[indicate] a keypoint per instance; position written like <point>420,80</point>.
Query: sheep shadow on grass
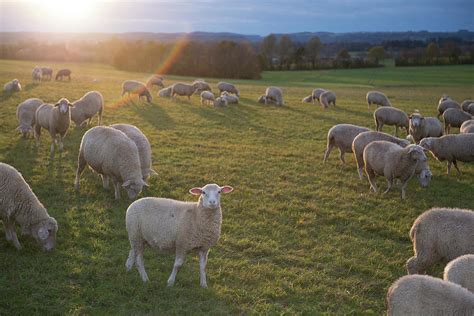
<point>156,116</point>
<point>31,86</point>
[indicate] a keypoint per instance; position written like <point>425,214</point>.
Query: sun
<point>66,10</point>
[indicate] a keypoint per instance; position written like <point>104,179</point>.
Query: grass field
<point>297,237</point>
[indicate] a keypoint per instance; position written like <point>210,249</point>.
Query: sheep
<point>461,271</point>
<point>220,101</point>
<point>113,155</point>
<point>307,99</point>
<point>327,98</point>
<point>56,119</point>
<point>200,86</point>
<point>229,87</point>
<point>86,107</point>
<point>426,295</point>
<point>18,204</point>
<point>230,99</point>
<point>155,80</point>
<point>37,74</point>
<point>316,94</point>
<point>182,89</point>
<point>451,148</point>
<point>342,136</point>
<point>454,118</point>
<point>377,98</point>
<point>274,94</point>
<point>176,226</point>
<point>445,104</point>
<point>208,97</point>
<point>465,105</point>
<point>421,127</point>
<point>440,234</point>
<point>470,109</point>
<point>47,72</point>
<point>262,99</point>
<point>63,73</point>
<point>390,116</point>
<point>12,86</point>
<point>165,92</point>
<point>143,146</point>
<point>392,161</point>
<point>136,87</point>
<point>467,127</point>
<point>25,113</point>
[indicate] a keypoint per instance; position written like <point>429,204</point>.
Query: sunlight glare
<point>66,9</point>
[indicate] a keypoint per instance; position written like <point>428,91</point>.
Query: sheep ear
<point>196,191</point>
<point>410,117</point>
<point>227,189</point>
<point>126,183</point>
<point>153,172</point>
<point>57,104</point>
<point>145,184</point>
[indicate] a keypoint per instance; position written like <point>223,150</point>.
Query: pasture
<point>298,236</point>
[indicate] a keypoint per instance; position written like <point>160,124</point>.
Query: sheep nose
<point>212,202</point>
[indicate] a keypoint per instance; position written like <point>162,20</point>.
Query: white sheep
<point>390,116</point>
<point>447,103</point>
<point>136,87</point>
<point>229,87</point>
<point>55,119</point>
<point>426,295</point>
<point>85,108</point>
<point>391,161</point>
<point>378,98</point>
<point>12,86</point>
<point>451,148</point>
<point>307,99</point>
<point>18,204</point>
<point>421,127</point>
<point>25,113</point>
<point>342,136</point>
<point>47,73</point>
<point>461,271</point>
<point>37,74</point>
<point>263,100</point>
<point>454,118</point>
<point>176,226</point>
<point>220,102</point>
<point>114,156</point>
<point>155,80</point>
<point>327,98</point>
<point>207,97</point>
<point>440,234</point>
<point>465,105</point>
<point>182,89</point>
<point>274,94</point>
<point>470,109</point>
<point>165,92</point>
<point>230,99</point>
<point>467,127</point>
<point>143,146</point>
<point>200,86</point>
<point>316,94</point>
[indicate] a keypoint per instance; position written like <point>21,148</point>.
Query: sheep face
<point>416,153</point>
<point>63,106</point>
<point>416,120</point>
<point>45,233</point>
<point>425,178</point>
<point>426,143</point>
<point>210,195</point>
<point>134,187</point>
<point>24,129</point>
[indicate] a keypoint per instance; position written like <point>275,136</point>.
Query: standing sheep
<point>316,94</point>
<point>451,148</point>
<point>36,74</point>
<point>182,89</point>
<point>230,99</point>
<point>165,92</point>
<point>461,271</point>
<point>47,73</point>
<point>424,295</point>
<point>421,127</point>
<point>274,94</point>
<point>170,225</point>
<point>155,80</point>
<point>220,102</point>
<point>63,73</point>
<point>454,118</point>
<point>393,162</point>
<point>12,86</point>
<point>200,86</point>
<point>447,103</point>
<point>378,98</point>
<point>56,119</point>
<point>342,136</point>
<point>470,109</point>
<point>18,204</point>
<point>25,113</point>
<point>467,127</point>
<point>208,97</point>
<point>136,87</point>
<point>440,234</point>
<point>86,107</point>
<point>465,105</point>
<point>327,98</point>
<point>113,155</point>
<point>390,116</point>
<point>229,87</point>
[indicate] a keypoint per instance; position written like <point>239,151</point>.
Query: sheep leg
<point>10,234</point>
<point>330,146</point>
<point>81,164</point>
<point>178,262</point>
<point>404,185</point>
<point>341,156</point>
<point>389,185</point>
<point>37,134</point>
<point>141,265</point>
<point>105,181</point>
<point>448,170</point>
<point>131,260</point>
<point>117,189</point>
<point>456,166</point>
<point>60,143</point>
<point>202,266</point>
<point>360,170</point>
<point>53,141</point>
<point>396,131</point>
<point>371,177</point>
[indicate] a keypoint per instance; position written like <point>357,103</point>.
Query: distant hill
<point>326,37</point>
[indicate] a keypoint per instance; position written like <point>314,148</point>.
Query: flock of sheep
<point>121,153</point>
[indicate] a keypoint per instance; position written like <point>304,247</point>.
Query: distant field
<point>297,237</point>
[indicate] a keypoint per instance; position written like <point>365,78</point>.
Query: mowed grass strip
<point>298,236</point>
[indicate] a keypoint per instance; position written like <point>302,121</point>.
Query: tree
<point>313,48</point>
<point>432,51</point>
<point>452,51</point>
<point>376,53</point>
<point>285,47</point>
<point>343,54</point>
<point>268,47</point>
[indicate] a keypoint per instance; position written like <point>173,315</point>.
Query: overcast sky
<point>247,16</point>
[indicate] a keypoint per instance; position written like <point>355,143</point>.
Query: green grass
<point>297,237</point>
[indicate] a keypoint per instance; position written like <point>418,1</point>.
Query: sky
<point>237,16</point>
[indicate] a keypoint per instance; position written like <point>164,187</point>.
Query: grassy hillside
<point>297,237</point>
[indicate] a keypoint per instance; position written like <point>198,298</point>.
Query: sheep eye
<point>203,193</point>
<point>219,192</point>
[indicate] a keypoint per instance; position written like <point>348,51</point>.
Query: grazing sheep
<point>136,87</point>
<point>342,136</point>
<point>461,271</point>
<point>378,98</point>
<point>229,87</point>
<point>37,74</point>
<point>25,113</point>
<point>262,99</point>
<point>454,118</point>
<point>12,86</point>
<point>63,73</point>
<point>467,127</point>
<point>425,295</point>
<point>440,234</point>
<point>143,146</point>
<point>113,155</point>
<point>176,226</point>
<point>365,138</point>
<point>465,105</point>
<point>470,109</point>
<point>56,119</point>
<point>327,98</point>
<point>86,107</point>
<point>316,94</point>
<point>391,161</point>
<point>421,127</point>
<point>448,103</point>
<point>451,148</point>
<point>182,89</point>
<point>208,97</point>
<point>165,92</point>
<point>220,102</point>
<point>390,116</point>
<point>47,73</point>
<point>18,204</point>
<point>230,99</point>
<point>274,94</point>
<point>307,99</point>
<point>155,80</point>
<point>200,86</point>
